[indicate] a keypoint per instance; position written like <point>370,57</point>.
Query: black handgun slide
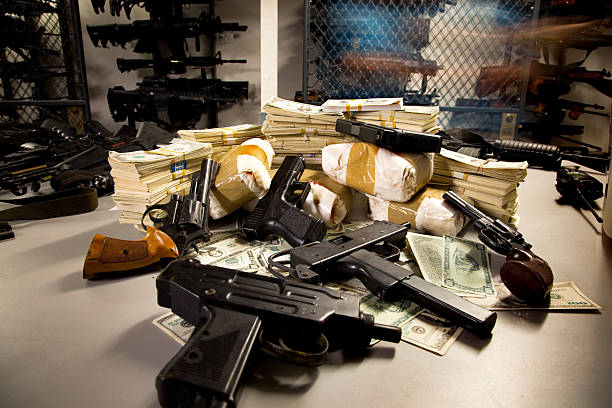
<point>278,212</point>
<point>396,140</point>
<point>229,308</point>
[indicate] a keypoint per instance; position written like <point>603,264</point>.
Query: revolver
<point>235,313</point>
<point>526,275</point>
<point>184,223</point>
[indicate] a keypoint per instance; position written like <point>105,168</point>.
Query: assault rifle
<point>235,313</point>
<point>54,152</point>
<point>152,33</point>
<point>367,255</point>
<point>184,99</point>
<point>127,5</point>
<point>542,77</point>
<point>546,156</point>
<point>172,65</point>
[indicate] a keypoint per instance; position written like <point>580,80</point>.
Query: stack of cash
<point>491,184</point>
<point>144,178</point>
<point>222,139</point>
<point>299,128</point>
<point>413,118</point>
<point>363,105</point>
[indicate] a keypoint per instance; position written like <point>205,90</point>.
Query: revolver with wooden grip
<point>183,223</point>
<point>526,275</point>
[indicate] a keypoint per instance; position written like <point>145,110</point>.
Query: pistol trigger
<point>304,274</point>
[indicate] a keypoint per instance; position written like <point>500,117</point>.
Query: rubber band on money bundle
<point>376,171</point>
<point>244,174</point>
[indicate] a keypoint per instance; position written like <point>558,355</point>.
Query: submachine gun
<point>367,254</point>
<point>526,275</point>
<point>235,313</point>
<point>184,99</point>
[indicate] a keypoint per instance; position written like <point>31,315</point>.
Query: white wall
<point>102,72</point>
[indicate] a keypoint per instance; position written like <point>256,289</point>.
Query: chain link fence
<point>429,51</point>
<point>42,71</point>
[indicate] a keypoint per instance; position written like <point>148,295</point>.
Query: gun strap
<point>66,202</point>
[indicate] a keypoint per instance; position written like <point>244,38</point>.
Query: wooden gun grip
<point>109,255</point>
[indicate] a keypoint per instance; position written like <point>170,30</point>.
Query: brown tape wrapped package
<point>376,171</point>
<point>244,175</point>
<point>328,200</point>
<point>426,212</point>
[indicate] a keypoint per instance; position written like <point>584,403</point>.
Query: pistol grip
<point>527,276</point>
<point>294,225</point>
<point>210,364</point>
<point>109,255</point>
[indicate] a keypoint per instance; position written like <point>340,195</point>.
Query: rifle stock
<point>107,256</point>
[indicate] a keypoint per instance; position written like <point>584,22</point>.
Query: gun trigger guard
<point>304,274</point>
<point>153,218</point>
<point>283,351</point>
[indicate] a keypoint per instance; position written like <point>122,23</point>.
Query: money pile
<point>412,118</point>
<point>462,267</point>
<point>144,178</point>
<point>222,139</point>
<point>363,105</point>
<point>299,128</point>
<point>491,184</point>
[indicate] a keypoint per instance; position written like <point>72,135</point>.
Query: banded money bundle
<point>413,118</point>
<point>144,178</point>
<point>491,184</point>
<point>299,128</point>
<point>222,139</point>
<point>363,105</point>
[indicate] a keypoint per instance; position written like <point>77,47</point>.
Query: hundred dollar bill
<point>466,267</point>
<point>175,327</point>
<point>563,296</point>
<point>235,252</point>
<point>391,313</point>
<point>431,332</point>
<point>427,250</point>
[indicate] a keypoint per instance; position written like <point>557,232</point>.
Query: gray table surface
<point>65,341</point>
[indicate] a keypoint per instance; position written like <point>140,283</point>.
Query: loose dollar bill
<point>390,313</point>
<point>427,249</point>
<point>431,332</point>
<point>563,296</point>
<point>175,327</point>
<point>466,267</point>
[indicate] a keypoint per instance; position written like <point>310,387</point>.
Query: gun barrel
<point>466,208</point>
